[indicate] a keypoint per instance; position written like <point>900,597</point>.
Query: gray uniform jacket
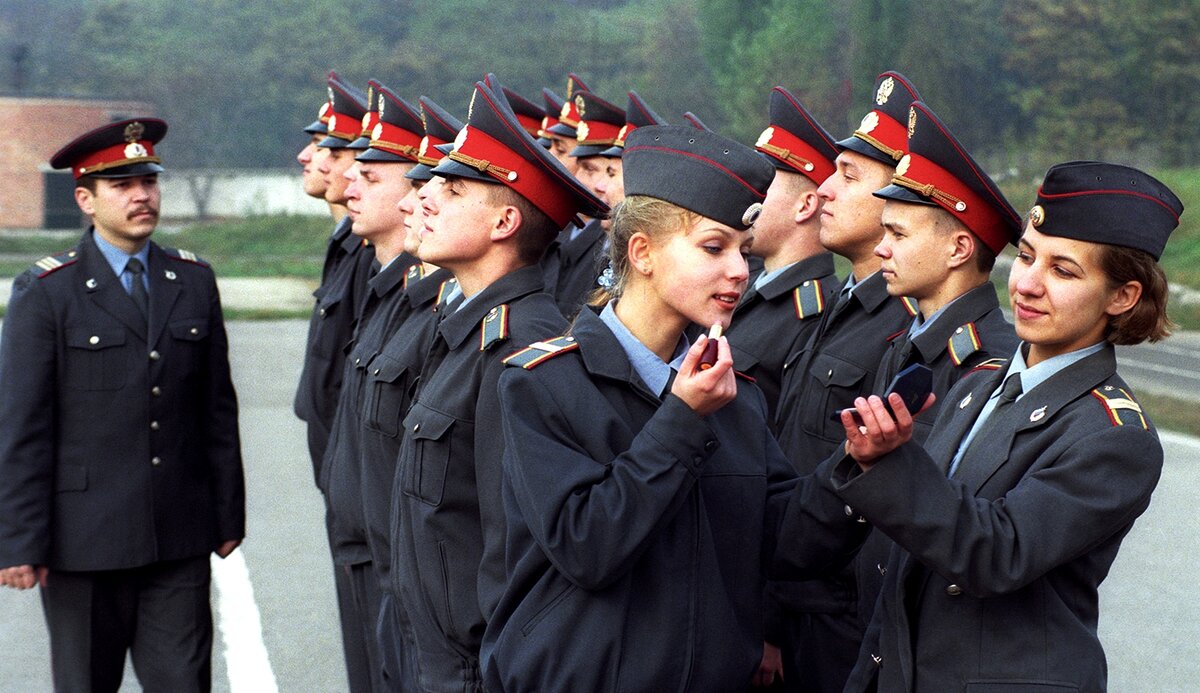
<point>572,266</point>
<point>993,584</point>
<point>118,441</point>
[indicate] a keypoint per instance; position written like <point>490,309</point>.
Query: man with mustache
<point>120,462</point>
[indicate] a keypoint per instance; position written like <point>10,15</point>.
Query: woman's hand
<point>706,391</point>
<point>879,433</point>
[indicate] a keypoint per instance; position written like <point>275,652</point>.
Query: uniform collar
<point>969,307</point>
<point>654,372</point>
<point>784,280</point>
<point>1032,376</point>
<point>870,292</point>
<point>117,258</point>
<point>387,278</point>
<point>455,328</point>
<point>425,289</point>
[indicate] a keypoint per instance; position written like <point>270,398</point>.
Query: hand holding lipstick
<point>706,387</point>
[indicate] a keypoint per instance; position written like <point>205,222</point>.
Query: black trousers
<point>159,614</point>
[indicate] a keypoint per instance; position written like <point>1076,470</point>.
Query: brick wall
<point>35,128</point>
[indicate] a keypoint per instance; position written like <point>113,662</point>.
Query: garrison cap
<point>363,141</point>
<point>396,135</point>
<point>882,133</point>
<point>637,115</point>
<point>568,113</point>
<point>599,124</point>
<point>494,148</point>
<point>117,150</point>
<point>698,170</point>
<point>694,120</point>
<point>1106,203</point>
<point>554,104</point>
<point>345,118</point>
<point>440,130</point>
<point>937,170</point>
<point>795,141</point>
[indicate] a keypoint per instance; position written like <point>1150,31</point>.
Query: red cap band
<point>343,127</point>
<point>396,140</point>
<point>595,132</point>
<point>475,148</point>
<point>122,154</point>
<point>926,178</point>
<point>881,131</point>
<point>795,152</point>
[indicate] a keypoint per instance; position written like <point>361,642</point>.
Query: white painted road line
<point>246,657</point>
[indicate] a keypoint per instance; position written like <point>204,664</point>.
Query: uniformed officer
<point>562,134</point>
<point>644,493</point>
<point>838,363</point>
<point>389,377</point>
<point>497,200</point>
<point>311,156</point>
<point>785,302</point>
<point>610,186</point>
<point>944,224</point>
<point>576,259</point>
<point>120,463</point>
<point>1035,469</point>
<point>344,277</point>
<point>377,185</point>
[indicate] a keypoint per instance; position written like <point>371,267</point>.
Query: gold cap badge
<point>902,167</point>
<point>885,91</point>
<point>1037,216</point>
<point>869,122</point>
<point>579,104</point>
<point>134,131</point>
<point>912,121</point>
<point>765,137</point>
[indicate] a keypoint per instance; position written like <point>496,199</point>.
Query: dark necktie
<point>1009,393</point>
<point>137,292</point>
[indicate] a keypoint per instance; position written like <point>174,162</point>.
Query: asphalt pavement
<point>1149,612</point>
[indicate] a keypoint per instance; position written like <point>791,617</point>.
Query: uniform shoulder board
<point>494,327</point>
<point>963,343</point>
<point>910,305</point>
<point>445,290</point>
<point>990,365</point>
<point>185,255</point>
<point>538,352</point>
<point>53,263</point>
<point>413,274</point>
<point>808,299</point>
<point>1120,406</point>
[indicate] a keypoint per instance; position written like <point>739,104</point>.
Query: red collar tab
<point>927,179</point>
<point>777,142</point>
<point>475,148</point>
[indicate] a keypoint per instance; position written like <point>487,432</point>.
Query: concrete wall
<point>236,193</point>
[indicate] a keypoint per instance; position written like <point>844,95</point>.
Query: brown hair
<point>537,229</point>
<point>1146,321</point>
<point>87,183</point>
<point>636,214</point>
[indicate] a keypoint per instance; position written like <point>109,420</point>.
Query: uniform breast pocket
<point>835,385</point>
<point>96,359</point>
<point>427,459</point>
<point>329,308</point>
<point>386,395</point>
<point>190,339</point>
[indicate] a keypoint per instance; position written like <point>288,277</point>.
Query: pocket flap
<point>834,372</point>
<point>427,424</point>
<point>93,339</point>
<point>189,330</point>
<point>386,369</point>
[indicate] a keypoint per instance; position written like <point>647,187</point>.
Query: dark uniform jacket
<point>342,467</point>
<point>118,443</point>
<point>339,299</point>
<point>448,519</point>
<point>572,266</point>
<point>638,531</point>
<point>971,331</point>
<point>768,321</point>
<point>386,395</point>
<point>993,586</point>
<point>839,363</point>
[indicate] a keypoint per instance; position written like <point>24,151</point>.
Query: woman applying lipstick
<point>644,492</point>
<point>1035,469</point>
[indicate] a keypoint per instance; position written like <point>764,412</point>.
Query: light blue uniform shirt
<point>117,259</point>
<point>653,371</point>
<point>921,324</point>
<point>766,277</point>
<point>1031,377</point>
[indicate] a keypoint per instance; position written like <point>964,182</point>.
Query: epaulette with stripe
<point>808,299</point>
<point>53,263</point>
<point>185,255</point>
<point>1120,406</point>
<point>445,290</point>
<point>963,343</point>
<point>494,327</point>
<point>910,305</point>
<point>413,274</point>
<point>990,365</point>
<point>538,352</point>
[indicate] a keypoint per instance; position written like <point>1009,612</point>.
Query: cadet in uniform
<point>311,156</point>
<point>1035,469</point>
<point>562,134</point>
<point>120,463</point>
<point>644,493</point>
<point>785,302</point>
<point>838,363</point>
<point>378,184</point>
<point>610,185</point>
<point>343,286</point>
<point>498,199</point>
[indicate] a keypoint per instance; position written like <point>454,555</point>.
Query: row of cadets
<point>387,150</point>
<point>344,275</point>
<point>497,201</point>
